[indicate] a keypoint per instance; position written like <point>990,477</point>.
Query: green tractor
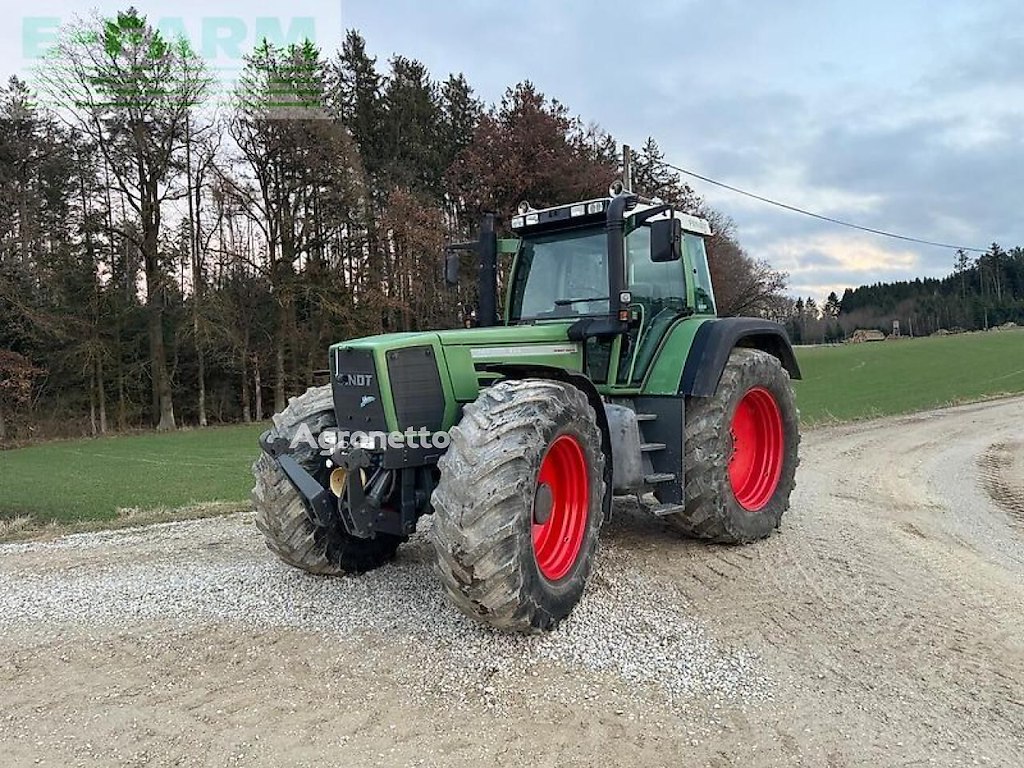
<point>608,374</point>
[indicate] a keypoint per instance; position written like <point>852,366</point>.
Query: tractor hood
<point>404,363</point>
<point>483,339</point>
<point>467,352</point>
<point>505,333</point>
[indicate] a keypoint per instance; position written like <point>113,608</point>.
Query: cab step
<point>659,477</point>
<point>649,447</point>
<point>661,510</point>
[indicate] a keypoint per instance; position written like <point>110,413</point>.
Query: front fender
<point>581,382</point>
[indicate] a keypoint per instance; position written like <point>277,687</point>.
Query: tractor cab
<point>622,270</point>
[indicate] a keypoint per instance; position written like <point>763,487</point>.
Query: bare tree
<point>743,285</point>
<point>131,91</point>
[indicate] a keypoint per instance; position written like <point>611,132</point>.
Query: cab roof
<point>591,212</point>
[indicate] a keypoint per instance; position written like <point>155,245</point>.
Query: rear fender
<point>715,340</point>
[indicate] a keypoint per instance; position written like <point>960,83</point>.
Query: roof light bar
<point>560,213</point>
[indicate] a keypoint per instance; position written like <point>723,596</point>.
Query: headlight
<point>366,442</point>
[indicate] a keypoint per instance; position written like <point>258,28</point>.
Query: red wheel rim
<point>758,447</point>
<point>560,508</point>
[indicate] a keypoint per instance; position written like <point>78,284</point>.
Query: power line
<point>822,217</point>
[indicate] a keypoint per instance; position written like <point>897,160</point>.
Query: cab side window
<point>703,292</point>
<point>656,286</point>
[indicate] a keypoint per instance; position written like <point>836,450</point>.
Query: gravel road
<point>882,626</point>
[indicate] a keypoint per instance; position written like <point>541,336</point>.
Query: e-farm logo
<point>221,39</point>
<point>223,43</point>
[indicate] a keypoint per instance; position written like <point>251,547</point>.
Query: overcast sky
<point>904,116</point>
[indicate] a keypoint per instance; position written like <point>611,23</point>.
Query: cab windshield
<point>562,274</point>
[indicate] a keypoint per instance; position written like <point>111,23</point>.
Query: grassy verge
<point>34,528</point>
<point>132,479</point>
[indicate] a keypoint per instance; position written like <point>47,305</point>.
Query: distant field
<point>857,381</point>
<point>91,480</point>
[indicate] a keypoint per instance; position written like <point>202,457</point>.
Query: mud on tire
<point>712,510</point>
<point>484,503</point>
<point>281,514</point>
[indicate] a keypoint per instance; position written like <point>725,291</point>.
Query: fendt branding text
<point>355,379</point>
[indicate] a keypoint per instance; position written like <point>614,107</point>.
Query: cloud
<point>818,264</point>
<point>853,254</point>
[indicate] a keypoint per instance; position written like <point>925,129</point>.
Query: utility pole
<point>627,167</point>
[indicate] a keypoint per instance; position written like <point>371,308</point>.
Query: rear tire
<point>525,451</point>
<point>738,489</point>
<point>281,514</point>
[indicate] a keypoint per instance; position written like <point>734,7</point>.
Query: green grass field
<point>858,381</point>
<point>91,480</point>
<point>72,480</point>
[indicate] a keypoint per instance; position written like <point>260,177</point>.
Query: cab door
<point>659,297</point>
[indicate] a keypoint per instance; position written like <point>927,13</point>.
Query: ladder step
<point>667,509</point>
<point>659,477</point>
<point>647,417</point>
<point>648,447</point>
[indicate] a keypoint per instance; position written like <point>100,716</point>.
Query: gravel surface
<point>627,624</point>
<point>881,626</point>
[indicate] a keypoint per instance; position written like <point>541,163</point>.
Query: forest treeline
<point>164,263</point>
<point>982,292</point>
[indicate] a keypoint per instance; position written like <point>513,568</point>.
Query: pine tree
<point>359,100</point>
<point>528,148</point>
<point>652,178</point>
<point>832,305</point>
<point>411,130</point>
<point>460,115</point>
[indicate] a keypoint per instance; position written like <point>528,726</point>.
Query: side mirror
<point>666,239</point>
<point>451,267</point>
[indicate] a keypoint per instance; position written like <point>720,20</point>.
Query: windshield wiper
<point>569,302</point>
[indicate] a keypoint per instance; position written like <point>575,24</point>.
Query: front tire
<point>281,514</point>
<point>740,452</point>
<point>518,506</point>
